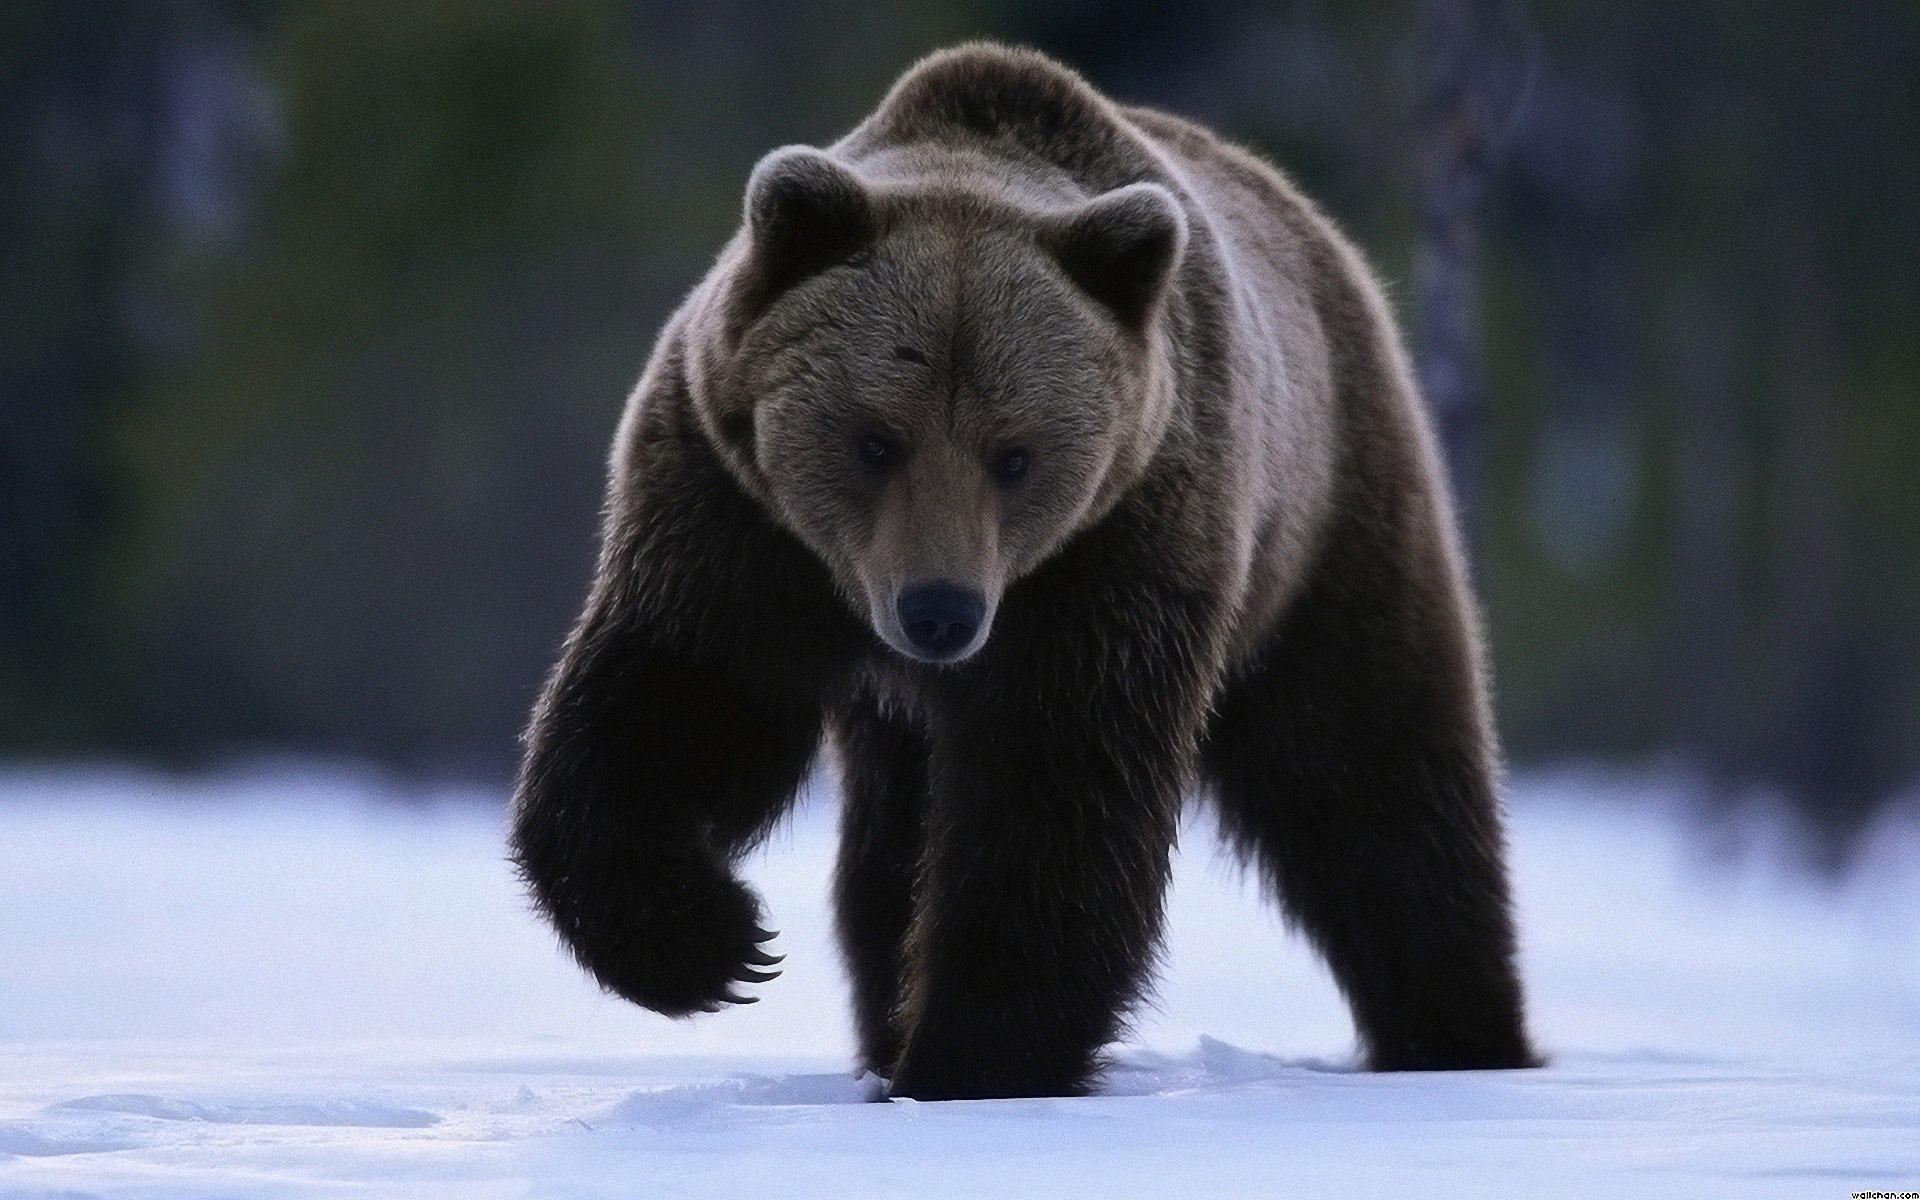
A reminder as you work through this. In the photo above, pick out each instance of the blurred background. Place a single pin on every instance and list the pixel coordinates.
(318, 318)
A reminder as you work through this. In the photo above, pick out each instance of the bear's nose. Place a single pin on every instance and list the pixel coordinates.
(940, 618)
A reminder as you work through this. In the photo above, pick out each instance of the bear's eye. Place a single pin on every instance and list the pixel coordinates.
(1010, 466)
(877, 450)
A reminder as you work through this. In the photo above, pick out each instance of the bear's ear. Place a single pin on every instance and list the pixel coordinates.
(805, 212)
(1122, 247)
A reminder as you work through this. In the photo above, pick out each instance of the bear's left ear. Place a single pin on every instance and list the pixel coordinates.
(1122, 247)
(805, 212)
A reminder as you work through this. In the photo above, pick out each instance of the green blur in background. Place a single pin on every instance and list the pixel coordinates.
(318, 319)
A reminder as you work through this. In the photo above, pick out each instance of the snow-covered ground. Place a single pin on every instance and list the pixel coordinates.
(283, 984)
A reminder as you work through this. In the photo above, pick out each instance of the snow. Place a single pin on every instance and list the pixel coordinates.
(290, 982)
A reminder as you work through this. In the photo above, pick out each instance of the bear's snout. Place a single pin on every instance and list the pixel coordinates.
(940, 620)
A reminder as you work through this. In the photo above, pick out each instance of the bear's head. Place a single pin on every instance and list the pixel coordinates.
(933, 386)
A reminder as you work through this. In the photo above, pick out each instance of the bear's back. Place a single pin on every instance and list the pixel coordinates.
(1007, 103)
(1040, 119)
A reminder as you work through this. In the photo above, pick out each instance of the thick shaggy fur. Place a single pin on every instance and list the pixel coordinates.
(1218, 557)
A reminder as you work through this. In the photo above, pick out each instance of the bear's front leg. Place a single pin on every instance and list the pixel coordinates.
(884, 778)
(1057, 768)
(680, 720)
(645, 766)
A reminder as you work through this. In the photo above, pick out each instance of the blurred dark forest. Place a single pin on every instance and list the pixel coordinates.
(318, 318)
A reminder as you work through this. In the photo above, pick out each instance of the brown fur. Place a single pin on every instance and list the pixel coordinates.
(1228, 561)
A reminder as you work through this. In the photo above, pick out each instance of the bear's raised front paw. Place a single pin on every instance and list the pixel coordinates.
(690, 954)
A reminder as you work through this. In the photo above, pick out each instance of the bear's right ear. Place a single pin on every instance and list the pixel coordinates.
(805, 212)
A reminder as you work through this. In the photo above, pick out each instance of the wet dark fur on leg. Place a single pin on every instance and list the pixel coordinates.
(1349, 769)
(883, 763)
(682, 717)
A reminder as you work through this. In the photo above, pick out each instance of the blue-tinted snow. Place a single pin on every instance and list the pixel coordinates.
(279, 983)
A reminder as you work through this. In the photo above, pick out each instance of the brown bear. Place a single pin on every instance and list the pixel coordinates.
(1052, 459)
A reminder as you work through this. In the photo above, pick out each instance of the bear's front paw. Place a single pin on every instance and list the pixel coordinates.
(688, 949)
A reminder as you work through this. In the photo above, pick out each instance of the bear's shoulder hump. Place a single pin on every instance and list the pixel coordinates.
(983, 90)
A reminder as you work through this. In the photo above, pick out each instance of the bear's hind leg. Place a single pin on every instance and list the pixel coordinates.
(1353, 765)
(884, 779)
